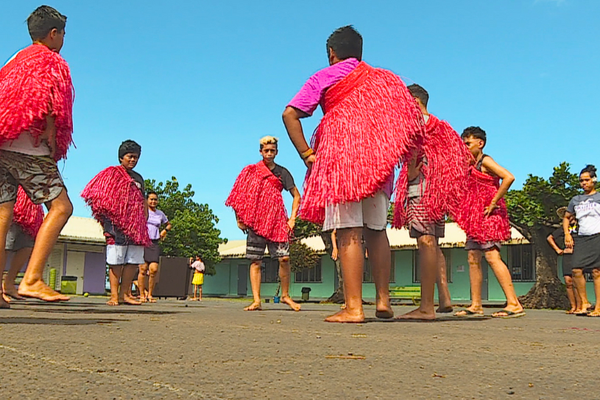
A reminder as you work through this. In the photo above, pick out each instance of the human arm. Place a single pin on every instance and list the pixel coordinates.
(163, 233)
(240, 224)
(295, 206)
(334, 252)
(553, 244)
(507, 180)
(568, 237)
(414, 167)
(293, 125)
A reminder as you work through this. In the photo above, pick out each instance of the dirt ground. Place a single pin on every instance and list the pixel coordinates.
(185, 350)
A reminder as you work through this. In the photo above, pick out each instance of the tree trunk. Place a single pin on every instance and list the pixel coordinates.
(548, 291)
(338, 295)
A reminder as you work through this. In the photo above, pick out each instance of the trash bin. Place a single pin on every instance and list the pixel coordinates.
(52, 280)
(305, 293)
(68, 285)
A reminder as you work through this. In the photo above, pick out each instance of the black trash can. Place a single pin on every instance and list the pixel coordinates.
(305, 293)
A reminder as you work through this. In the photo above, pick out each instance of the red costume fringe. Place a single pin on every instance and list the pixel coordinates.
(113, 196)
(27, 215)
(480, 191)
(445, 174)
(32, 83)
(257, 201)
(371, 121)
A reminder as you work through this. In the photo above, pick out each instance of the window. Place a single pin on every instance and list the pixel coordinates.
(368, 270)
(310, 274)
(417, 271)
(270, 270)
(522, 262)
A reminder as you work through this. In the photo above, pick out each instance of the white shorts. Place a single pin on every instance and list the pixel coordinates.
(370, 212)
(121, 255)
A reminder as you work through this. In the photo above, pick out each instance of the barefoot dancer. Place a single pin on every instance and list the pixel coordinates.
(27, 219)
(370, 122)
(586, 244)
(427, 188)
(147, 273)
(557, 241)
(116, 196)
(258, 204)
(485, 220)
(36, 102)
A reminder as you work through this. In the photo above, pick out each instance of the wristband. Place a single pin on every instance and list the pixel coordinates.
(307, 153)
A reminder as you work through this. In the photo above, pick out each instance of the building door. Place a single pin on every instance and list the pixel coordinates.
(75, 267)
(242, 286)
(484, 281)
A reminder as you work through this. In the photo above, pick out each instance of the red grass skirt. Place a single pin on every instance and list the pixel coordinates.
(27, 215)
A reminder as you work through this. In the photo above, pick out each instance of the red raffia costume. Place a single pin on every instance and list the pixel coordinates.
(114, 196)
(370, 122)
(33, 84)
(445, 174)
(27, 215)
(257, 201)
(481, 189)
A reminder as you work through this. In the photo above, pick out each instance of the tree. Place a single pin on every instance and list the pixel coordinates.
(532, 212)
(194, 225)
(304, 229)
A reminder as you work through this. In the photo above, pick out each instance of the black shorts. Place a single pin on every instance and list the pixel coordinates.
(152, 253)
(567, 264)
(586, 252)
(256, 245)
(17, 239)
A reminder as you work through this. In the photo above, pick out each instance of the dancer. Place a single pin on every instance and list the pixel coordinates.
(198, 280)
(557, 241)
(116, 196)
(429, 186)
(27, 219)
(147, 273)
(351, 160)
(586, 244)
(484, 218)
(258, 204)
(36, 126)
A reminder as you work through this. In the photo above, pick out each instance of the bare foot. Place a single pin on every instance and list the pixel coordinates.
(131, 301)
(385, 313)
(143, 299)
(418, 315)
(444, 309)
(11, 292)
(151, 299)
(112, 302)
(594, 314)
(293, 305)
(193, 299)
(40, 290)
(571, 311)
(344, 316)
(253, 307)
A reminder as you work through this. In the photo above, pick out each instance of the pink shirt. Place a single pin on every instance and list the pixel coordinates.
(313, 91)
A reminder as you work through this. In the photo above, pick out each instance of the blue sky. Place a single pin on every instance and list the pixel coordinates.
(197, 83)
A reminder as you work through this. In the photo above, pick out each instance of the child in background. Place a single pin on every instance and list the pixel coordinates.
(198, 280)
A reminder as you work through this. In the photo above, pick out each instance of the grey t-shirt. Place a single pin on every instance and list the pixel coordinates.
(586, 209)
(284, 176)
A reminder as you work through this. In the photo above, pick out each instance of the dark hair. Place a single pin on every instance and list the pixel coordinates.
(476, 132)
(150, 192)
(418, 92)
(42, 20)
(129, 146)
(346, 42)
(590, 169)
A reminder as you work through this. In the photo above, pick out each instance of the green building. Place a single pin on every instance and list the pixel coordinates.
(232, 279)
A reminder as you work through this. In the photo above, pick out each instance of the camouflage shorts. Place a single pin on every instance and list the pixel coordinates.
(37, 175)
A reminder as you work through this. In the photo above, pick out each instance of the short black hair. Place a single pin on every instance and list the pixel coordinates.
(418, 92)
(590, 169)
(129, 146)
(42, 20)
(151, 192)
(346, 42)
(476, 132)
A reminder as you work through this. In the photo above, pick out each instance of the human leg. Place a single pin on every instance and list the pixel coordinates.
(142, 282)
(428, 264)
(32, 285)
(570, 293)
(129, 271)
(19, 259)
(152, 270)
(442, 284)
(114, 276)
(505, 280)
(476, 280)
(596, 276)
(285, 271)
(199, 292)
(255, 277)
(381, 261)
(579, 284)
(352, 262)
(6, 210)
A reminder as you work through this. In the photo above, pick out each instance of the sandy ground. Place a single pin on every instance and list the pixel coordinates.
(187, 350)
